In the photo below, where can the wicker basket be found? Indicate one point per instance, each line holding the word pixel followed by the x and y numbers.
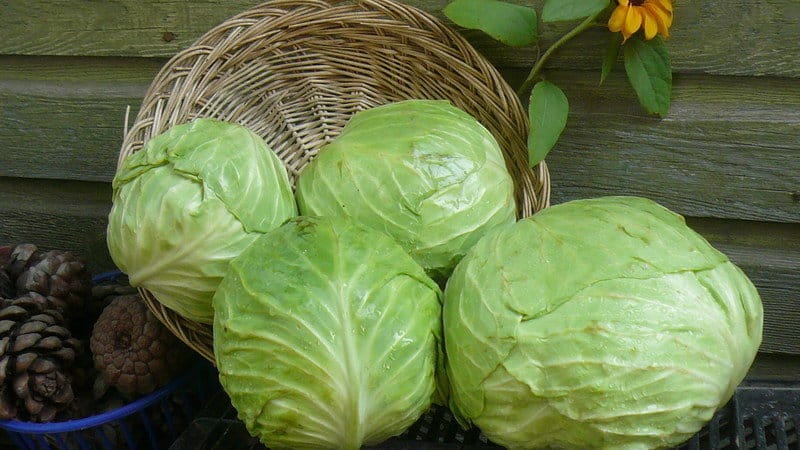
pixel 294 71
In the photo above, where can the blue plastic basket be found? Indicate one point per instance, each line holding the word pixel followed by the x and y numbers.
pixel 150 422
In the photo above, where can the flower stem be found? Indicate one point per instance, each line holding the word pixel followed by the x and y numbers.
pixel 537 68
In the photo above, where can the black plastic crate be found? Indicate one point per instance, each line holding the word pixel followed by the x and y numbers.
pixel 761 415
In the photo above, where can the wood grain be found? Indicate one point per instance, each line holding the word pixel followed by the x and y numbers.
pixel 80 69
pixel 775 367
pixel 721 37
pixel 729 147
pixel 53 214
pixel 769 253
pixel 728 152
pixel 776 274
pixel 733 37
pixel 63 118
pixel 73 215
pixel 743 233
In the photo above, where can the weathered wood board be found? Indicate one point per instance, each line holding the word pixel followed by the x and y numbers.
pixel 64 118
pixel 59 214
pixel 73 215
pixel 734 37
pixel 769 253
pixel 728 153
pixel 775 367
pixel 729 147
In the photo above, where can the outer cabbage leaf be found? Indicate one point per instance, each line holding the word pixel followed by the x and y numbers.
pixel 422 171
pixel 190 201
pixel 326 335
pixel 603 323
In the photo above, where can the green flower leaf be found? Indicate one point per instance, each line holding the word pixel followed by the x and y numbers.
pixel 650 73
pixel 547 111
pixel 513 25
pixel 562 10
pixel 612 54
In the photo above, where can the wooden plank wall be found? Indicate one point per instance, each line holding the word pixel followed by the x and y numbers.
pixel 727 156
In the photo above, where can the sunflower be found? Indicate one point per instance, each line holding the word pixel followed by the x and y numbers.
pixel 655 16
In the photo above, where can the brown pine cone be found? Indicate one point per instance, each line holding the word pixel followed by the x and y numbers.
pixel 103 294
pixel 135 352
pixel 15 259
pixel 6 286
pixel 7 289
pixel 36 355
pixel 5 254
pixel 35 300
pixel 54 273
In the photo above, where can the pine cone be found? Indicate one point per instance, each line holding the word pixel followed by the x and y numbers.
pixel 17 258
pixel 5 254
pixel 102 295
pixel 35 300
pixel 7 289
pixel 54 273
pixel 36 354
pixel 91 391
pixel 6 286
pixel 135 352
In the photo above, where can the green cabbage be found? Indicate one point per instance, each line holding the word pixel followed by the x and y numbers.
pixel 190 201
pixel 602 323
pixel 422 171
pixel 327 335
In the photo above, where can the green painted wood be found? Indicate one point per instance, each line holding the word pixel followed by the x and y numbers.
pixel 775 367
pixel 776 278
pixel 724 37
pixel 729 147
pixel 119 28
pixel 53 214
pixel 743 233
pixel 714 36
pixel 63 118
pixel 73 215
pixel 769 253
pixel 80 69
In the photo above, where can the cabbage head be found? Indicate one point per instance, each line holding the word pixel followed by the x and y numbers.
pixel 600 323
pixel 327 336
pixel 190 201
pixel 422 171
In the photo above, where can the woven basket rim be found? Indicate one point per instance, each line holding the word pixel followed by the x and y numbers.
pixel 240 30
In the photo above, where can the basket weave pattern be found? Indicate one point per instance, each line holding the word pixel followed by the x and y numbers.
pixel 294 72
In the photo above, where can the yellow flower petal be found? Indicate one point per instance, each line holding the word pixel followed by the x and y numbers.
pixel 653 16
pixel 665 4
pixel 633 22
pixel 650 26
pixel 668 20
pixel 659 9
pixel 663 18
pixel 617 19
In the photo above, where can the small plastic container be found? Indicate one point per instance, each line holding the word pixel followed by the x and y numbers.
pixel 151 422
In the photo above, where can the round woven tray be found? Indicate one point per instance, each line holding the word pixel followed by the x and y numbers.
pixel 294 71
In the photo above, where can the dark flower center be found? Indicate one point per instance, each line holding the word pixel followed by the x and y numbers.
pixel 637 2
